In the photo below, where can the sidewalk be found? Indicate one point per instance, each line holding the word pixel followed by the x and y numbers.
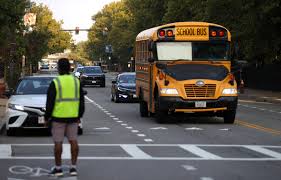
pixel 261 96
pixel 3 103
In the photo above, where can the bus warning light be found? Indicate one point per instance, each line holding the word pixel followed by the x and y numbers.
pixel 170 33
pixel 221 33
pixel 162 33
pixel 213 33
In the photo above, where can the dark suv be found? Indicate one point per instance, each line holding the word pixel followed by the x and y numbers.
pixel 92 75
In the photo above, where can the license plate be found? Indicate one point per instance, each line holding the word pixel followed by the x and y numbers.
pixel 94 81
pixel 201 104
pixel 41 120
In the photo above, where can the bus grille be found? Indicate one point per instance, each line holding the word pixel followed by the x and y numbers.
pixel 208 90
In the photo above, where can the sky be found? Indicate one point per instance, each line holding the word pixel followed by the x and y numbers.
pixel 75 13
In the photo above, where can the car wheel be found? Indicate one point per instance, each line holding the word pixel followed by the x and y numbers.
pixel 103 84
pixel 10 132
pixel 116 98
pixel 80 131
pixel 229 116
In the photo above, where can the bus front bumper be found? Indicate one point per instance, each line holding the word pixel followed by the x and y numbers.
pixel 178 104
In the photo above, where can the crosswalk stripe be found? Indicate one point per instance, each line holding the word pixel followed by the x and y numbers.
pixel 66 151
pixel 5 150
pixel 135 151
pixel 264 151
pixel 199 152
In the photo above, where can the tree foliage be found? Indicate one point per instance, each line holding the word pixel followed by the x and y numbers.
pixel 46 36
pixel 255 25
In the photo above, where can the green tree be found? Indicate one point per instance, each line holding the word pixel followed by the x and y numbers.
pixel 46 36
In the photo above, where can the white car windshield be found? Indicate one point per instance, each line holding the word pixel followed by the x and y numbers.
pixel 192 51
pixel 36 85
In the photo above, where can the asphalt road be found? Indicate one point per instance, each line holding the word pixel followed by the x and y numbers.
pixel 118 144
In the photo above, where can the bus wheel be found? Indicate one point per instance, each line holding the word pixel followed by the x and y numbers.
pixel 143 108
pixel 161 116
pixel 229 116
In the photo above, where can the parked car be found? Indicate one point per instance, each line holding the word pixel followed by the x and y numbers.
pixel 44 67
pixel 124 87
pixel 27 104
pixel 92 75
pixel 77 72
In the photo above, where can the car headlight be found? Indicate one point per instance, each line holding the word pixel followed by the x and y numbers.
pixel 229 91
pixel 84 76
pixel 16 107
pixel 169 91
pixel 121 89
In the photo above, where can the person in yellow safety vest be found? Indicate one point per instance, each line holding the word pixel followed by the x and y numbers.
pixel 64 108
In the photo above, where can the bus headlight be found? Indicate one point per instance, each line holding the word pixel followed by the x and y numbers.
pixel 229 91
pixel 169 91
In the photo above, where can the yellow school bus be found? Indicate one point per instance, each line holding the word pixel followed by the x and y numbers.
pixel 185 67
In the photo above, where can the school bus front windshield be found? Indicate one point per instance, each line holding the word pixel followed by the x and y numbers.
pixel 193 51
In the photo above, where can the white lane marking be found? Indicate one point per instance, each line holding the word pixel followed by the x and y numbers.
pixel 120 121
pixel 158 128
pixel 261 109
pixel 199 152
pixel 5 150
pixel 148 140
pixel 254 107
pixel 108 114
pixel 141 135
pixel 66 151
pixel 112 116
pixel 189 168
pixel 224 129
pixel 206 178
pixel 14 179
pixel 135 131
pixel 153 158
pixel 116 119
pixel 264 151
pixel 89 99
pixel 124 124
pixel 102 128
pixel 129 127
pixel 68 178
pixel 158 145
pixel 135 151
pixel 105 111
pixel 194 128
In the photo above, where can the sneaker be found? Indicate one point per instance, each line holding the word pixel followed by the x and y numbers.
pixel 56 172
pixel 73 171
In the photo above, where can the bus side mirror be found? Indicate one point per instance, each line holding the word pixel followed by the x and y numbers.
pixel 151 46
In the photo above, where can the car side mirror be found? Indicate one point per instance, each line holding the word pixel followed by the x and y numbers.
pixel 113 82
pixel 85 92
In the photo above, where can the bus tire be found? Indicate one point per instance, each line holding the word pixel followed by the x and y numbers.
pixel 143 108
pixel 161 116
pixel 229 116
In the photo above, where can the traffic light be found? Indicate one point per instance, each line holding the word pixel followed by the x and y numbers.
pixel 77 30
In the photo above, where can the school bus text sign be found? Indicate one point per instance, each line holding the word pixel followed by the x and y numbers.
pixel 192 33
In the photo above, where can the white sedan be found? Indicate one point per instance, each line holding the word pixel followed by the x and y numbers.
pixel 26 106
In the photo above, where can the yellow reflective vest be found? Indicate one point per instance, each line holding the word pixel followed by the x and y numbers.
pixel 67 97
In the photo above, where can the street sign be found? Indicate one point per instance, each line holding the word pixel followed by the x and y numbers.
pixel 29 19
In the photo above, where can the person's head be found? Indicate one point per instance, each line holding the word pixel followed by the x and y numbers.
pixel 63 66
